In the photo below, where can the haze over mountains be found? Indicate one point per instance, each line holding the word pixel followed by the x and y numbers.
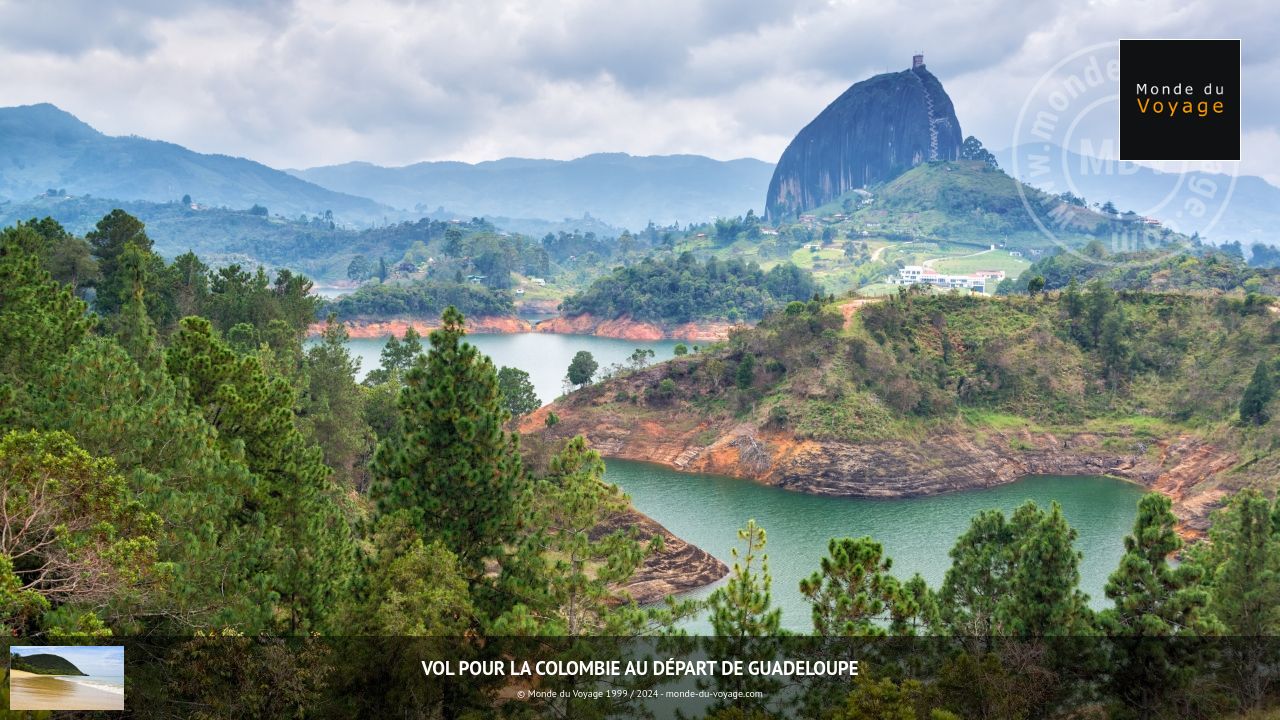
pixel 43 147
pixel 1252 214
pixel 620 189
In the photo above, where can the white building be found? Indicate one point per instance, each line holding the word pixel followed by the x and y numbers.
pixel 980 281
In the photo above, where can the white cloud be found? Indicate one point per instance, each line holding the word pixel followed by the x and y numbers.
pixel 312 82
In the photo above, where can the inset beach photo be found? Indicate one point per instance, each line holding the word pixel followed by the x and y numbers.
pixel 66 677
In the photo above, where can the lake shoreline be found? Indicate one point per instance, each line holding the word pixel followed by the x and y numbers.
pixel 585 325
pixel 943 461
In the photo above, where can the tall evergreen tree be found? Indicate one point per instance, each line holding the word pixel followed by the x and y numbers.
pixel 1154 602
pixel 982 564
pixel 331 406
pixel 40 320
pixel 133 325
pixel 1242 566
pixel 1244 559
pixel 745 622
pixel 452 467
pixel 1257 395
pixel 1043 597
pixel 311 566
pixel 581 564
pixel 211 545
pixel 743 606
pixel 109 240
pixel 1153 598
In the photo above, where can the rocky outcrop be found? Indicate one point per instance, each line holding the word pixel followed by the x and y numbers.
pixel 627 329
pixel 495 325
pixel 947 460
pixel 878 129
pixel 680 566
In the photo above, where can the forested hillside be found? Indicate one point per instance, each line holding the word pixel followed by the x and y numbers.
pixel 682 289
pixel 176 461
pixel 1197 268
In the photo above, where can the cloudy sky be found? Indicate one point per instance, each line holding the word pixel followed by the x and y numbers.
pixel 298 83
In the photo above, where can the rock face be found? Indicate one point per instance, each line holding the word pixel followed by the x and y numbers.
pixel 375 328
pixel 878 129
pixel 679 567
pixel 1189 470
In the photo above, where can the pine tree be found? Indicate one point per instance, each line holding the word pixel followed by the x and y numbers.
pixel 982 564
pixel 1257 395
pixel 1153 599
pixel 745 374
pixel 212 546
pixel 1246 574
pixel 744 622
pixel 854 594
pixel 133 326
pixel 398 355
pixel 408 588
pixel 1043 598
pixel 311 566
pixel 743 606
pixel 332 409
pixel 582 568
pixel 40 321
pixel 1153 602
pixel 109 240
pixel 1242 566
pixel 452 467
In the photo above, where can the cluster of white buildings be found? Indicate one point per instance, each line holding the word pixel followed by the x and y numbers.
pixel 981 281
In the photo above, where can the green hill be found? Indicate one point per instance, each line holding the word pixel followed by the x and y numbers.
pixel 44 664
pixel 1197 268
pixel 46 147
pixel 923 393
pixel 974 203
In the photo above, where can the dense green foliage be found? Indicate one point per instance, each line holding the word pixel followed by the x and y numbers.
pixel 518 395
pixel 681 289
pixel 178 462
pixel 1063 358
pixel 582 368
pixel 453 470
pixel 1192 267
pixel 422 298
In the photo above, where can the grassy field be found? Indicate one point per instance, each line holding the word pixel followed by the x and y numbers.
pixel 989 260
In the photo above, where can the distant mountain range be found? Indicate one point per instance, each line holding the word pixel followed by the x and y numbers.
pixel 1252 214
pixel 43 148
pixel 619 189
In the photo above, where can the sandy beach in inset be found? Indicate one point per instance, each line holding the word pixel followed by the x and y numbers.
pixel 28 691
